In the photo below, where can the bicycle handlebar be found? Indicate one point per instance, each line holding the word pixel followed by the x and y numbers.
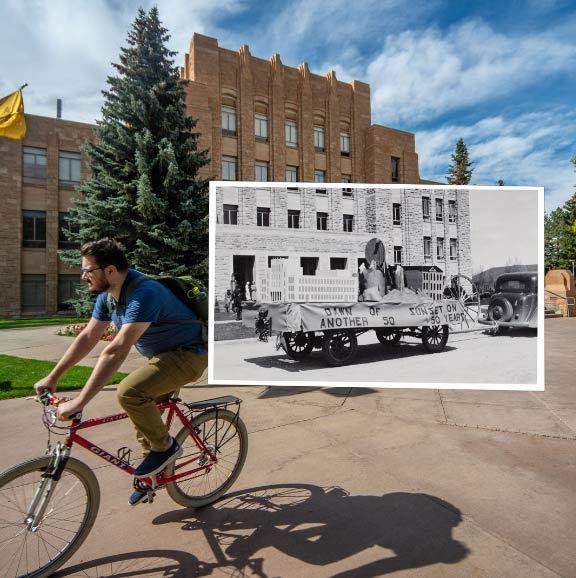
pixel 47 398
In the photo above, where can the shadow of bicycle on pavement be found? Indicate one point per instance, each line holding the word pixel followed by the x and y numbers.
pixel 321 527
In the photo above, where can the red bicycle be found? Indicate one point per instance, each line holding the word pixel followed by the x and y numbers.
pixel 49 504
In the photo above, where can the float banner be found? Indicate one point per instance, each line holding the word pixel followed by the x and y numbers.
pixel 373 315
pixel 284 316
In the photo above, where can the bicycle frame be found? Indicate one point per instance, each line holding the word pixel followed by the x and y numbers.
pixel 161 478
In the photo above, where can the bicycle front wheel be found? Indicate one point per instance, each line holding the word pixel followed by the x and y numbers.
pixel 225 436
pixel 36 541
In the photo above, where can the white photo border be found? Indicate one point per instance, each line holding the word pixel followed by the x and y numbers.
pixel 540 373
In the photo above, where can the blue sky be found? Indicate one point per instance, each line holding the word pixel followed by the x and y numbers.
pixel 501 75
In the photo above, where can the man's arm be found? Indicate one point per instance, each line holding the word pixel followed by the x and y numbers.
pixel 107 365
pixel 78 350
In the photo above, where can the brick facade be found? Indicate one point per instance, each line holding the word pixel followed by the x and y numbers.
pixel 218 75
pixel 50 196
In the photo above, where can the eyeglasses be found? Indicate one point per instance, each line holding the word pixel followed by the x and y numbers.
pixel 89 271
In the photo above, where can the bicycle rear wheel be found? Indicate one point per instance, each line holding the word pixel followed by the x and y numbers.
pixel 36 550
pixel 225 435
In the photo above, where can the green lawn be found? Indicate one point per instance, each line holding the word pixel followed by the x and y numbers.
pixel 16 323
pixel 18 376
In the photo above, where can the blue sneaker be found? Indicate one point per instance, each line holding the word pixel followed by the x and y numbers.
pixel 155 462
pixel 138 498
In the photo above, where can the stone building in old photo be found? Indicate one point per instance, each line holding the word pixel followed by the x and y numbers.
pixel 321 231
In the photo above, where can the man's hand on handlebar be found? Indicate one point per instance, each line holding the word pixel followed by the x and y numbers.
pixel 69 409
pixel 46 383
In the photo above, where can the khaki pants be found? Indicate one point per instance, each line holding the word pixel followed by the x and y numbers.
pixel 155 381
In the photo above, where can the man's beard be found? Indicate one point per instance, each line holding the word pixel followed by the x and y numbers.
pixel 100 288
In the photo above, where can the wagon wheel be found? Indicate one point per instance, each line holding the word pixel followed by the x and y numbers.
pixel 339 347
pixel 298 345
pixel 464 290
pixel 388 337
pixel 434 338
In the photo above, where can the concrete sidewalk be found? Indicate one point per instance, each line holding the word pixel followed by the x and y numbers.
pixel 344 482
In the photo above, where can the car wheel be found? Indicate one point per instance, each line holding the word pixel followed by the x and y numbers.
pixel 500 310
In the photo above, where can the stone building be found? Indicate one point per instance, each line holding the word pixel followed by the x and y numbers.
pixel 37 179
pixel 260 120
pixel 323 230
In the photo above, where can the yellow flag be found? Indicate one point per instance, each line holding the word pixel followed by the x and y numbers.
pixel 12 121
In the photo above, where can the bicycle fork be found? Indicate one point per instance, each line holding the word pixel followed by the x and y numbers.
pixel 37 511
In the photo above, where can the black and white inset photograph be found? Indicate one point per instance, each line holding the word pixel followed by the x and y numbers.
pixel 376 285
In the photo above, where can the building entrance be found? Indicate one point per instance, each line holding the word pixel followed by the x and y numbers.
pixel 243 269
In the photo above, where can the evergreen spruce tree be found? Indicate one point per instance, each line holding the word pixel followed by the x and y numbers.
pixel 144 188
pixel 460 171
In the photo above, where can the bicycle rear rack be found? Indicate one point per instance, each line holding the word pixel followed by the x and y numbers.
pixel 216 402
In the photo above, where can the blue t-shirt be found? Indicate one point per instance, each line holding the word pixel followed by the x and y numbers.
pixel 152 302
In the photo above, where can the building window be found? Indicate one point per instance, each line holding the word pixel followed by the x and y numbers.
pixel 263 216
pixel 426 208
pixel 395 169
pixel 291 174
pixel 291 133
pixel 427 249
pixel 68 169
pixel 33 293
pixel 322 221
pixel 67 285
pixel 309 265
pixel 230 214
pixel 439 210
pixel 348 223
pixel 65 224
pixel 338 263
pixel 34 165
pixel 345 144
pixel 34 229
pixel 228 121
pixel 453 249
pixel 396 213
pixel 261 126
pixel 261 171
pixel 319 139
pixel 440 249
pixel 397 255
pixel 228 168
pixel 452 211
pixel 293 219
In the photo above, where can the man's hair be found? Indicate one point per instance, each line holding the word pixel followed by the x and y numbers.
pixel 106 252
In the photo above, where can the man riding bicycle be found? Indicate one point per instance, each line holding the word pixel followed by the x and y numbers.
pixel 175 351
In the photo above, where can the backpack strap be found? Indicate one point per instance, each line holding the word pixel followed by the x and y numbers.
pixel 130 288
pixel 121 305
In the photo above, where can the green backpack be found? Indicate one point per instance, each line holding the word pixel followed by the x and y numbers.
pixel 188 289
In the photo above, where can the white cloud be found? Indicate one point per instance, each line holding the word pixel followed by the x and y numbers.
pixel 424 74
pixel 527 150
pixel 64 49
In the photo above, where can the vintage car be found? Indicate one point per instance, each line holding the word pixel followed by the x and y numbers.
pixel 514 302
